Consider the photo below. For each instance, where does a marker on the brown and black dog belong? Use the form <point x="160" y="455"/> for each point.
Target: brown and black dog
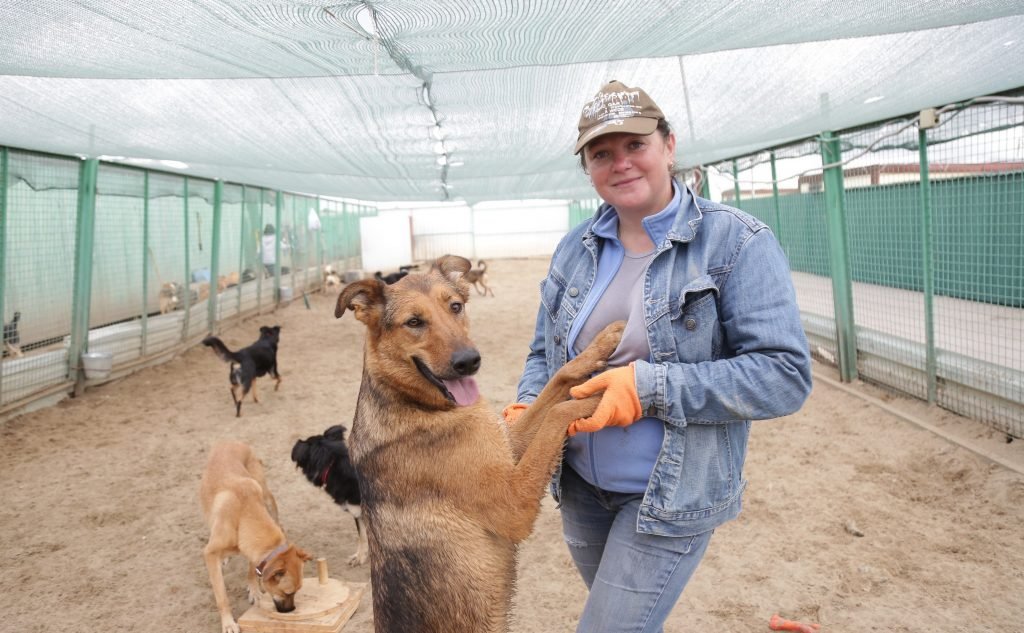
<point x="478" y="277"/>
<point x="448" y="490"/>
<point x="242" y="515"/>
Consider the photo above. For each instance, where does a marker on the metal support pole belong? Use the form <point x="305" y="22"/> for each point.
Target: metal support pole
<point x="736" y="182"/>
<point x="188" y="270"/>
<point x="85" y="226"/>
<point x="705" y="186"/>
<point x="218" y="199"/>
<point x="278" y="203"/>
<point x="145" y="261"/>
<point x="775" y="199"/>
<point x="927" y="268"/>
<point x="3" y="244"/>
<point x="839" y="256"/>
<point x="258" y="271"/>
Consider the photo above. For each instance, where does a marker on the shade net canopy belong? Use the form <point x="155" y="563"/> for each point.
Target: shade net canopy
<point x="472" y="100"/>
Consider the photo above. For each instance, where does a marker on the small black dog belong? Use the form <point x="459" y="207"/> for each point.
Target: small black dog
<point x="325" y="463"/>
<point x="259" y="359"/>
<point x="391" y="278"/>
<point x="12" y="339"/>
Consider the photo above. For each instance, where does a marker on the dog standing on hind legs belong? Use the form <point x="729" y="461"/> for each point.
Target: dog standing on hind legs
<point x="325" y="462"/>
<point x="448" y="490"/>
<point x="249" y="363"/>
<point x="242" y="516"/>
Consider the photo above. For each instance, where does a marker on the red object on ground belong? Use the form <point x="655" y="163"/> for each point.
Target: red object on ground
<point x="778" y="623"/>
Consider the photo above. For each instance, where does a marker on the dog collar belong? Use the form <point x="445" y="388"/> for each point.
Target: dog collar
<point x="266" y="559"/>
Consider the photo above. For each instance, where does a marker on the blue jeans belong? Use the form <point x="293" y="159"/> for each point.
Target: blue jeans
<point x="634" y="579"/>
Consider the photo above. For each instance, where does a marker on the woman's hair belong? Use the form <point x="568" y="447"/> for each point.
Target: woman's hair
<point x="663" y="127"/>
<point x="268" y="229"/>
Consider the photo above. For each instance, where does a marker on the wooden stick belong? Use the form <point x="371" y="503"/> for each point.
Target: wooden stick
<point x="321" y="570"/>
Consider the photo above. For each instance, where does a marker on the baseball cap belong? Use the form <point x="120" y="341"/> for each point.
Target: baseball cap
<point x="617" y="108"/>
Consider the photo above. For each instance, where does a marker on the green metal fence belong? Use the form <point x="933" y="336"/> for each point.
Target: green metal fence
<point x="906" y="243"/>
<point x="138" y="264"/>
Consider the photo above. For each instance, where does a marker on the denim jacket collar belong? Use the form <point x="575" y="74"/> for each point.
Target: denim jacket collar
<point x="677" y="222"/>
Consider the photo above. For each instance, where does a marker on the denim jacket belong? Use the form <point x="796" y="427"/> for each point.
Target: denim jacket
<point x="727" y="347"/>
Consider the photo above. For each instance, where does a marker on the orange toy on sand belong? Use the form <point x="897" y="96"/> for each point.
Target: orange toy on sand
<point x="778" y="623"/>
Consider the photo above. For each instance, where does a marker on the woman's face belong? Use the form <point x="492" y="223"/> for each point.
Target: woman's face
<point x="631" y="171"/>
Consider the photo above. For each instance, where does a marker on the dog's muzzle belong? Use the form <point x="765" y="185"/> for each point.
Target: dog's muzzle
<point x="285" y="604"/>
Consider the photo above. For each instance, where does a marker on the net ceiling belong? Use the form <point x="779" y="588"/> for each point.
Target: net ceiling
<point x="470" y="99"/>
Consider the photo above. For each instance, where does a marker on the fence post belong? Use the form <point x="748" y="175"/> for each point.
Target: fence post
<point x="839" y="256"/>
<point x="85" y="226"/>
<point x="211" y="315"/>
<point x="775" y="198"/>
<point x="705" y="186"/>
<point x="188" y="271"/>
<point x="3" y="245"/>
<point x="736" y="183"/>
<point x="927" y="267"/>
<point x="145" y="261"/>
<point x="278" y="203"/>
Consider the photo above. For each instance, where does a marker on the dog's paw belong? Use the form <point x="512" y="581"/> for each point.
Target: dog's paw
<point x="230" y="626"/>
<point x="357" y="559"/>
<point x="595" y="357"/>
<point x="253" y="594"/>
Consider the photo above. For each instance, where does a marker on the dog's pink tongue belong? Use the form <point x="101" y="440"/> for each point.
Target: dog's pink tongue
<point x="464" y="390"/>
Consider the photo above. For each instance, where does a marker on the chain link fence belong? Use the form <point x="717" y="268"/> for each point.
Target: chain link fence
<point x="106" y="268"/>
<point x="911" y="274"/>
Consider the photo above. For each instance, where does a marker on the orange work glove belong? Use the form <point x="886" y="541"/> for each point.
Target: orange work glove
<point x="512" y="412"/>
<point x="619" y="406"/>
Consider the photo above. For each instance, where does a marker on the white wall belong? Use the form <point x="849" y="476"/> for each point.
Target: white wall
<point x="386" y="242"/>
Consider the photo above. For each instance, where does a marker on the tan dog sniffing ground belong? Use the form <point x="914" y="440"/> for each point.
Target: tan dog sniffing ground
<point x="448" y="490"/>
<point x="242" y="515"/>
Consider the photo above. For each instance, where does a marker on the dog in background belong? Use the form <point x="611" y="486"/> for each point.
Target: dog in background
<point x="393" y="277"/>
<point x="448" y="490"/>
<point x="478" y="277"/>
<point x="170" y="296"/>
<point x="12" y="338"/>
<point x="324" y="461"/>
<point x="332" y="280"/>
<point x="249" y="363"/>
<point x="242" y="516"/>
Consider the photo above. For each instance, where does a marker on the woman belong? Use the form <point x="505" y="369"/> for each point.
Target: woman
<point x="713" y="340"/>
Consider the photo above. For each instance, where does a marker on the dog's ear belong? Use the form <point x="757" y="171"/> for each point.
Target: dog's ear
<point x="303" y="554"/>
<point x="365" y="298"/>
<point x="452" y="266"/>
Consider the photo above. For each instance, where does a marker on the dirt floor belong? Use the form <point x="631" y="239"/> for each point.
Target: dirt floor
<point x="101" y="529"/>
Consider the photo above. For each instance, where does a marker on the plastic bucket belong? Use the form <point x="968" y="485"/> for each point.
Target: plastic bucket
<point x="97" y="365"/>
<point x="286" y="293"/>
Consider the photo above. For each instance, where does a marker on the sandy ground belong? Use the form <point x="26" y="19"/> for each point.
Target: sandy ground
<point x="101" y="529"/>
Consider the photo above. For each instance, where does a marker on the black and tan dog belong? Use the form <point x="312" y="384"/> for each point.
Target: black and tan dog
<point x="324" y="461"/>
<point x="448" y="490"/>
<point x="242" y="516"/>
<point x="249" y="363"/>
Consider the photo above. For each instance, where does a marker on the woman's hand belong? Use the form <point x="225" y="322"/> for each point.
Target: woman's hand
<point x="619" y="406"/>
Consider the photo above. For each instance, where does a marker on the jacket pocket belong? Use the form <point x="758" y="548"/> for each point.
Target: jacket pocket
<point x="552" y="290"/>
<point x="695" y="322"/>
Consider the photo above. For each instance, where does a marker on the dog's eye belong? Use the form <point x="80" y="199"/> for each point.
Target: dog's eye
<point x="456" y="307"/>
<point x="414" y="322"/>
<point x="279" y="574"/>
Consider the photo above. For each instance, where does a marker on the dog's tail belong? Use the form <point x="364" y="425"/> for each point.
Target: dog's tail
<point x="482" y="265"/>
<point x="221" y="349"/>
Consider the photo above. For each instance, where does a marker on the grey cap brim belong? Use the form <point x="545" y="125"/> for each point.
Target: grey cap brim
<point x="633" y="125"/>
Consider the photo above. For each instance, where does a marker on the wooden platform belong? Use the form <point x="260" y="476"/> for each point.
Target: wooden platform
<point x="323" y="605"/>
